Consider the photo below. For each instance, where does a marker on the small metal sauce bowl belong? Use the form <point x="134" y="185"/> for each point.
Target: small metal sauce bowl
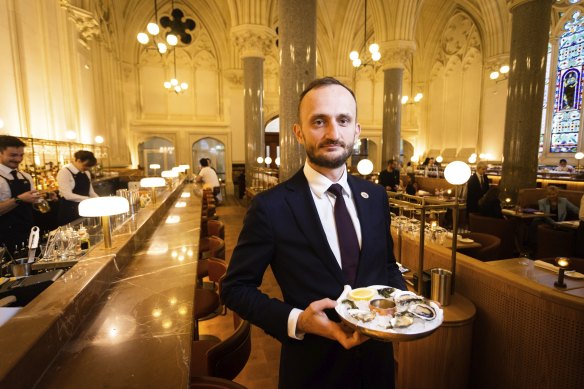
<point x="383" y="307"/>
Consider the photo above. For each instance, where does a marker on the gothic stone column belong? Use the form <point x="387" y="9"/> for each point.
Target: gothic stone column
<point x="529" y="42"/>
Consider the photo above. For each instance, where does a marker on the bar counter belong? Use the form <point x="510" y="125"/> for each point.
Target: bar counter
<point x="121" y="317"/>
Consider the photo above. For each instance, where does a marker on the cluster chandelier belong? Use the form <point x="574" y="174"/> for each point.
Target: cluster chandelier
<point x="418" y="97"/>
<point x="173" y="28"/>
<point x="174" y="84"/>
<point x="501" y="74"/>
<point x="354" y="56"/>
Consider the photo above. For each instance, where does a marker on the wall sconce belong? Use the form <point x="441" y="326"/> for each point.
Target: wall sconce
<point x="439" y="159"/>
<point x="104" y="207"/>
<point x="578" y="157"/>
<point x="153" y="183"/>
<point x="456" y="173"/>
<point x="473" y="158"/>
<point x="277" y="161"/>
<point x="501" y="74"/>
<point x="563" y="264"/>
<point x="99" y="139"/>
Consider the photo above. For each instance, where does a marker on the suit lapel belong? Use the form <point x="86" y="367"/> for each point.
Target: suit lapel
<point x="301" y="203"/>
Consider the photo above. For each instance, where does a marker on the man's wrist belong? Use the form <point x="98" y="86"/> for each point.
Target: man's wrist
<point x="18" y="200"/>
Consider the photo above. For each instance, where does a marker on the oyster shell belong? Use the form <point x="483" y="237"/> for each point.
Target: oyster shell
<point x="423" y="311"/>
<point x="405" y="300"/>
<point x="361" y="315"/>
<point x="402" y="320"/>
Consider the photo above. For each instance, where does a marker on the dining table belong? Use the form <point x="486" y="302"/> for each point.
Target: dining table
<point x="531" y="269"/>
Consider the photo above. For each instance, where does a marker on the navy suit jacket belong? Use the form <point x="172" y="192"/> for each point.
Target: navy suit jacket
<point x="282" y="229"/>
<point x="475" y="191"/>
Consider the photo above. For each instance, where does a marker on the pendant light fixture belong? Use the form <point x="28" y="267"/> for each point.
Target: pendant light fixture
<point x="174" y="84"/>
<point x="355" y="56"/>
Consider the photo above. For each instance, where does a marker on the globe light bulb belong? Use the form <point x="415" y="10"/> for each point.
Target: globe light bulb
<point x="174" y="82"/>
<point x="376" y="56"/>
<point x="457" y="173"/>
<point x="260" y="160"/>
<point x="365" y="167"/>
<point x="494" y="75"/>
<point x="153" y="28"/>
<point x="356" y="63"/>
<point x="99" y="139"/>
<point x="504" y="69"/>
<point x="277" y="161"/>
<point x="353" y="55"/>
<point x="439" y="159"/>
<point x="419" y="96"/>
<point x="167" y="84"/>
<point x="374" y="48"/>
<point x="184" y="85"/>
<point x="171" y="39"/>
<point x="268" y="160"/>
<point x="177" y="89"/>
<point x="143" y="38"/>
<point x="404" y="99"/>
<point x="162" y="48"/>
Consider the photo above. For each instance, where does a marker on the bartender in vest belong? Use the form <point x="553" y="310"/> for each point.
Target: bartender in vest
<point x="75" y="185"/>
<point x="17" y="194"/>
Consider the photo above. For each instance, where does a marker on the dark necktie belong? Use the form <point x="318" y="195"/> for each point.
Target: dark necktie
<point x="348" y="243"/>
<point x="14" y="174"/>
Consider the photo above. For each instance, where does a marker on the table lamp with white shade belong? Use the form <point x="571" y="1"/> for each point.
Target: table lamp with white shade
<point x="169" y="175"/>
<point x="456" y="173"/>
<point x="365" y="167"/>
<point x="104" y="207"/>
<point x="578" y="157"/>
<point x="153" y="183"/>
<point x="155" y="167"/>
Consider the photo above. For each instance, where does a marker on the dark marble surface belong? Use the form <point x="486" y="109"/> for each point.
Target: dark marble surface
<point x="121" y="317"/>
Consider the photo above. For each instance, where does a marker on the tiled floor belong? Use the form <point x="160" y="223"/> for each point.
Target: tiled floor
<point x="261" y="371"/>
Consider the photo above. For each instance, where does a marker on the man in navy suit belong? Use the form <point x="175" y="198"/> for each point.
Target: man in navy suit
<point x="478" y="185"/>
<point x="292" y="229"/>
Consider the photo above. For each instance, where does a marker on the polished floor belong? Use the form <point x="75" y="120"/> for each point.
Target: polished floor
<point x="261" y="371"/>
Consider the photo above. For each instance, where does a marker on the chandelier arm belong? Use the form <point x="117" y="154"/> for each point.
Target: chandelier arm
<point x="156" y="11"/>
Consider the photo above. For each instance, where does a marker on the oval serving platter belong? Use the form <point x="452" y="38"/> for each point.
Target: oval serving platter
<point x="381" y="327"/>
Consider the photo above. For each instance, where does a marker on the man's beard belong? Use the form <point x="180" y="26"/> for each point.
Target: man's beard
<point x="326" y="161"/>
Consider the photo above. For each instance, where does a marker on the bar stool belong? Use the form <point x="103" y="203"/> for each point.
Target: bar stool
<point x="207" y="302"/>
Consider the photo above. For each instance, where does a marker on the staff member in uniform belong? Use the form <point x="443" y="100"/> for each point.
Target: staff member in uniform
<point x="75" y="185"/>
<point x="17" y="194"/>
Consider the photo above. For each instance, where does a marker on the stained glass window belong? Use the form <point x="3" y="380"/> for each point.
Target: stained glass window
<point x="568" y="89"/>
<point x="546" y="89"/>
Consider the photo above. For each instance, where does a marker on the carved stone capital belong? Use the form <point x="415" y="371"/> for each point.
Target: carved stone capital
<point x="396" y="54"/>
<point x="253" y="40"/>
<point x="234" y="77"/>
<point x="85" y="22"/>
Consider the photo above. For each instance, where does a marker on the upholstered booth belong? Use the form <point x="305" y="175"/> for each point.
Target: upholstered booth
<point x="554" y="242"/>
<point x="504" y="229"/>
<point x="490" y="249"/>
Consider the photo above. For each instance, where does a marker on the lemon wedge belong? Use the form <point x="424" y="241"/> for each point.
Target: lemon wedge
<point x="361" y="294"/>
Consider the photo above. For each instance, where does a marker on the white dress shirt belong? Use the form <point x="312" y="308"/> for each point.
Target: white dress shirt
<point x="209" y="177"/>
<point x="67" y="184"/>
<point x="325" y="205"/>
<point x="5" y="193"/>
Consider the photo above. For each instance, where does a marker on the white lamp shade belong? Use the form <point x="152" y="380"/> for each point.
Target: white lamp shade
<point x="169" y="174"/>
<point x="152" y="182"/>
<point x="185" y="167"/>
<point x="176" y="169"/>
<point x="154" y="166"/>
<point x="439" y="159"/>
<point x="103" y="206"/>
<point x="365" y="167"/>
<point x="457" y="172"/>
<point x="579" y="155"/>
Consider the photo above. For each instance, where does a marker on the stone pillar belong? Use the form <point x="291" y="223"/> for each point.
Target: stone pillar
<point x="254" y="42"/>
<point x="297" y="69"/>
<point x="394" y="55"/>
<point x="529" y="42"/>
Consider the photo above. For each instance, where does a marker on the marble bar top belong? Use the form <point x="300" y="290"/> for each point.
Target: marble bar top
<point x="104" y="306"/>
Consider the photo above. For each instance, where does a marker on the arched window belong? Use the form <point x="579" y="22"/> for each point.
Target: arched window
<point x="564" y="107"/>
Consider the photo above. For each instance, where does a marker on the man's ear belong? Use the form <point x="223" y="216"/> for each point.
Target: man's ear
<point x="298" y="132"/>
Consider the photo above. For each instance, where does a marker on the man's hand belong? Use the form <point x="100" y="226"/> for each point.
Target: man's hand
<point x="29" y="197"/>
<point x="313" y="320"/>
